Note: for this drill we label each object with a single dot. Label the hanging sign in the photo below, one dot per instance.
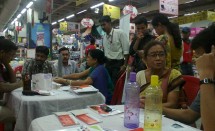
(79, 2)
(112, 11)
(129, 9)
(168, 7)
(87, 22)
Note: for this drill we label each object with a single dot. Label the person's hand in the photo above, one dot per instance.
(206, 65)
(140, 35)
(59, 80)
(19, 83)
(142, 102)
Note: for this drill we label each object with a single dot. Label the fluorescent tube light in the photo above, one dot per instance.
(29, 4)
(23, 11)
(5, 30)
(70, 16)
(18, 16)
(61, 20)
(111, 0)
(53, 23)
(100, 4)
(81, 12)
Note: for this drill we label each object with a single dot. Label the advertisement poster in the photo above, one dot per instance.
(168, 7)
(40, 35)
(112, 11)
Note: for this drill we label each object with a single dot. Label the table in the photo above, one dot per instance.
(110, 123)
(27, 108)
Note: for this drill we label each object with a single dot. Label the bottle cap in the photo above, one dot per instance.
(132, 77)
(154, 80)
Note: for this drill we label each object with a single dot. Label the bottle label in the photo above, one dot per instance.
(152, 120)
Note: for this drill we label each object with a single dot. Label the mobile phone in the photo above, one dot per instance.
(106, 108)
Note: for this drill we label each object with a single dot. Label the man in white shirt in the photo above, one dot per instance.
(116, 48)
(68, 66)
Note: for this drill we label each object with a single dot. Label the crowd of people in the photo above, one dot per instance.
(168, 55)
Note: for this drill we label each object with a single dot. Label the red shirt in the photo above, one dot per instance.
(187, 52)
(89, 47)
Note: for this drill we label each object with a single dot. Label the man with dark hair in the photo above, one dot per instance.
(8, 81)
(137, 45)
(9, 37)
(116, 48)
(39, 64)
(186, 61)
(91, 46)
(67, 66)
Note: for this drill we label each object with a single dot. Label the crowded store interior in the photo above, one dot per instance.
(107, 65)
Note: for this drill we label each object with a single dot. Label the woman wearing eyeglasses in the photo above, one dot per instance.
(169, 79)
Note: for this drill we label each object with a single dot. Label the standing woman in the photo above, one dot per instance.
(169, 35)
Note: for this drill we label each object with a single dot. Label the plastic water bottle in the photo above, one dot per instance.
(132, 104)
(153, 106)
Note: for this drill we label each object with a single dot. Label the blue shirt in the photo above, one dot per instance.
(195, 106)
(102, 81)
(69, 69)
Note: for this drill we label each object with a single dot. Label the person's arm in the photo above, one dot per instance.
(87, 81)
(206, 68)
(10, 73)
(8, 87)
(187, 116)
(77, 75)
(140, 36)
(172, 99)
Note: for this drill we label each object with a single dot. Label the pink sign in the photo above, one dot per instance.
(195, 31)
(87, 22)
(129, 9)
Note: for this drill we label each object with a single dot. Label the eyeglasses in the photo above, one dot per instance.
(154, 55)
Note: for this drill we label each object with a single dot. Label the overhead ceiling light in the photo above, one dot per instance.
(53, 23)
(172, 17)
(29, 4)
(12, 23)
(23, 11)
(111, 0)
(70, 16)
(5, 30)
(81, 12)
(18, 16)
(100, 4)
(15, 20)
(190, 1)
(61, 20)
(190, 14)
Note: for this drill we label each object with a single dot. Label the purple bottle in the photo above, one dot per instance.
(132, 103)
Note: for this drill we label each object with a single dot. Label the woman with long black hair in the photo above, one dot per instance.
(169, 35)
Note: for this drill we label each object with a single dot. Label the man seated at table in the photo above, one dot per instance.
(7, 77)
(40, 63)
(67, 66)
(97, 75)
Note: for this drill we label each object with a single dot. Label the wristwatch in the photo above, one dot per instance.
(207, 81)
